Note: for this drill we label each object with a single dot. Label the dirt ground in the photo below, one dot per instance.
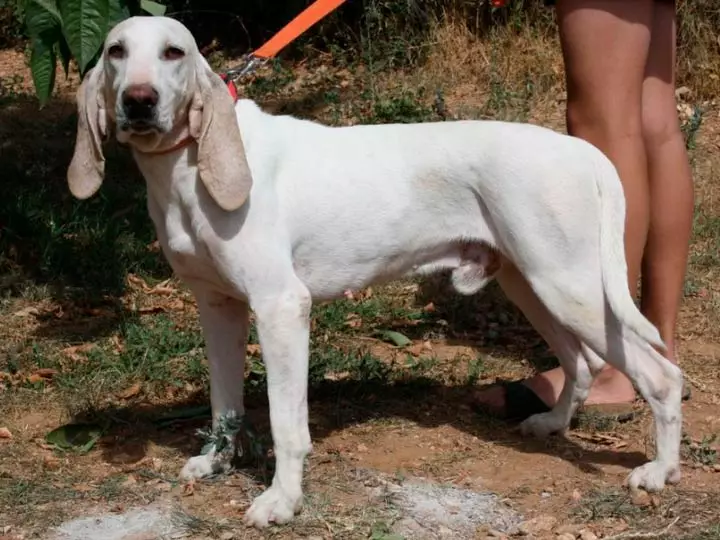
(381, 415)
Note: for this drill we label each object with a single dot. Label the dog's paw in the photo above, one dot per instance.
(653, 476)
(273, 506)
(542, 425)
(205, 465)
(197, 467)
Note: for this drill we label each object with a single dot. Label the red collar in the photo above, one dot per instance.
(231, 87)
(187, 140)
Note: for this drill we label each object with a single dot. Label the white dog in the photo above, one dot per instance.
(271, 213)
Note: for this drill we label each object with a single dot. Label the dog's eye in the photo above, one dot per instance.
(173, 53)
(116, 51)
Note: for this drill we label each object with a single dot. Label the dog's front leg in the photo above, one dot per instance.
(284, 330)
(224, 321)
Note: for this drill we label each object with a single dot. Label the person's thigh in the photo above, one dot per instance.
(659, 113)
(605, 45)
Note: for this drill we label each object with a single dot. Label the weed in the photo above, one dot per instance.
(691, 126)
(401, 109)
(702, 452)
(264, 85)
(603, 504)
(475, 368)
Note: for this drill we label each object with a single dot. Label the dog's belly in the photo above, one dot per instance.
(473, 263)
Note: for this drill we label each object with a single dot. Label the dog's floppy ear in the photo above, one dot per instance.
(87, 168)
(221, 154)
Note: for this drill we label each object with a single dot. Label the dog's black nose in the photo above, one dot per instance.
(139, 101)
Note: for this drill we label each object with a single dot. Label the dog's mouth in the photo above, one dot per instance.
(141, 127)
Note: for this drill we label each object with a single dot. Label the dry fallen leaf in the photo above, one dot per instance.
(189, 488)
(132, 391)
(138, 282)
(337, 375)
(162, 290)
(41, 375)
(176, 305)
(353, 320)
(418, 349)
(5, 433)
(74, 352)
(26, 312)
(117, 344)
(600, 438)
(253, 349)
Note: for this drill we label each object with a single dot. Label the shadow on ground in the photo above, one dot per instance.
(79, 251)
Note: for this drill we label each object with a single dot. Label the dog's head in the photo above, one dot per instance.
(152, 88)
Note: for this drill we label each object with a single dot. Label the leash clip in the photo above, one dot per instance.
(250, 64)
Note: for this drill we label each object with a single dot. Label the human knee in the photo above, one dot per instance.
(603, 123)
(660, 125)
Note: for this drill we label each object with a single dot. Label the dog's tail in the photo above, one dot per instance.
(612, 255)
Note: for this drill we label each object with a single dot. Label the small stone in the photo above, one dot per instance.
(537, 525)
(129, 481)
(576, 495)
(565, 536)
(227, 535)
(572, 529)
(640, 498)
(716, 467)
(586, 534)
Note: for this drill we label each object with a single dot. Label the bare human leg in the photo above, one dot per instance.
(619, 59)
(671, 185)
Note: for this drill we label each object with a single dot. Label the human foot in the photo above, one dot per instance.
(611, 391)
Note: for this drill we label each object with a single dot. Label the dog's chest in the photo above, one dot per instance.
(186, 250)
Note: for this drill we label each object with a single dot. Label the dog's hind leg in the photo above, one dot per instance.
(570, 352)
(660, 382)
(592, 320)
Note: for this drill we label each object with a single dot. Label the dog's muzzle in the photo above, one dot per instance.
(139, 103)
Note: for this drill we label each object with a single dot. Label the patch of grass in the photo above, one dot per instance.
(602, 504)
(404, 108)
(710, 533)
(155, 353)
(204, 526)
(507, 103)
(48, 237)
(702, 452)
(270, 81)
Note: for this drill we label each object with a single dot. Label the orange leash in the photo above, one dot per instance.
(308, 17)
(312, 14)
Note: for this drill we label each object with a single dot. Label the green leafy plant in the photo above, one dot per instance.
(73, 30)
